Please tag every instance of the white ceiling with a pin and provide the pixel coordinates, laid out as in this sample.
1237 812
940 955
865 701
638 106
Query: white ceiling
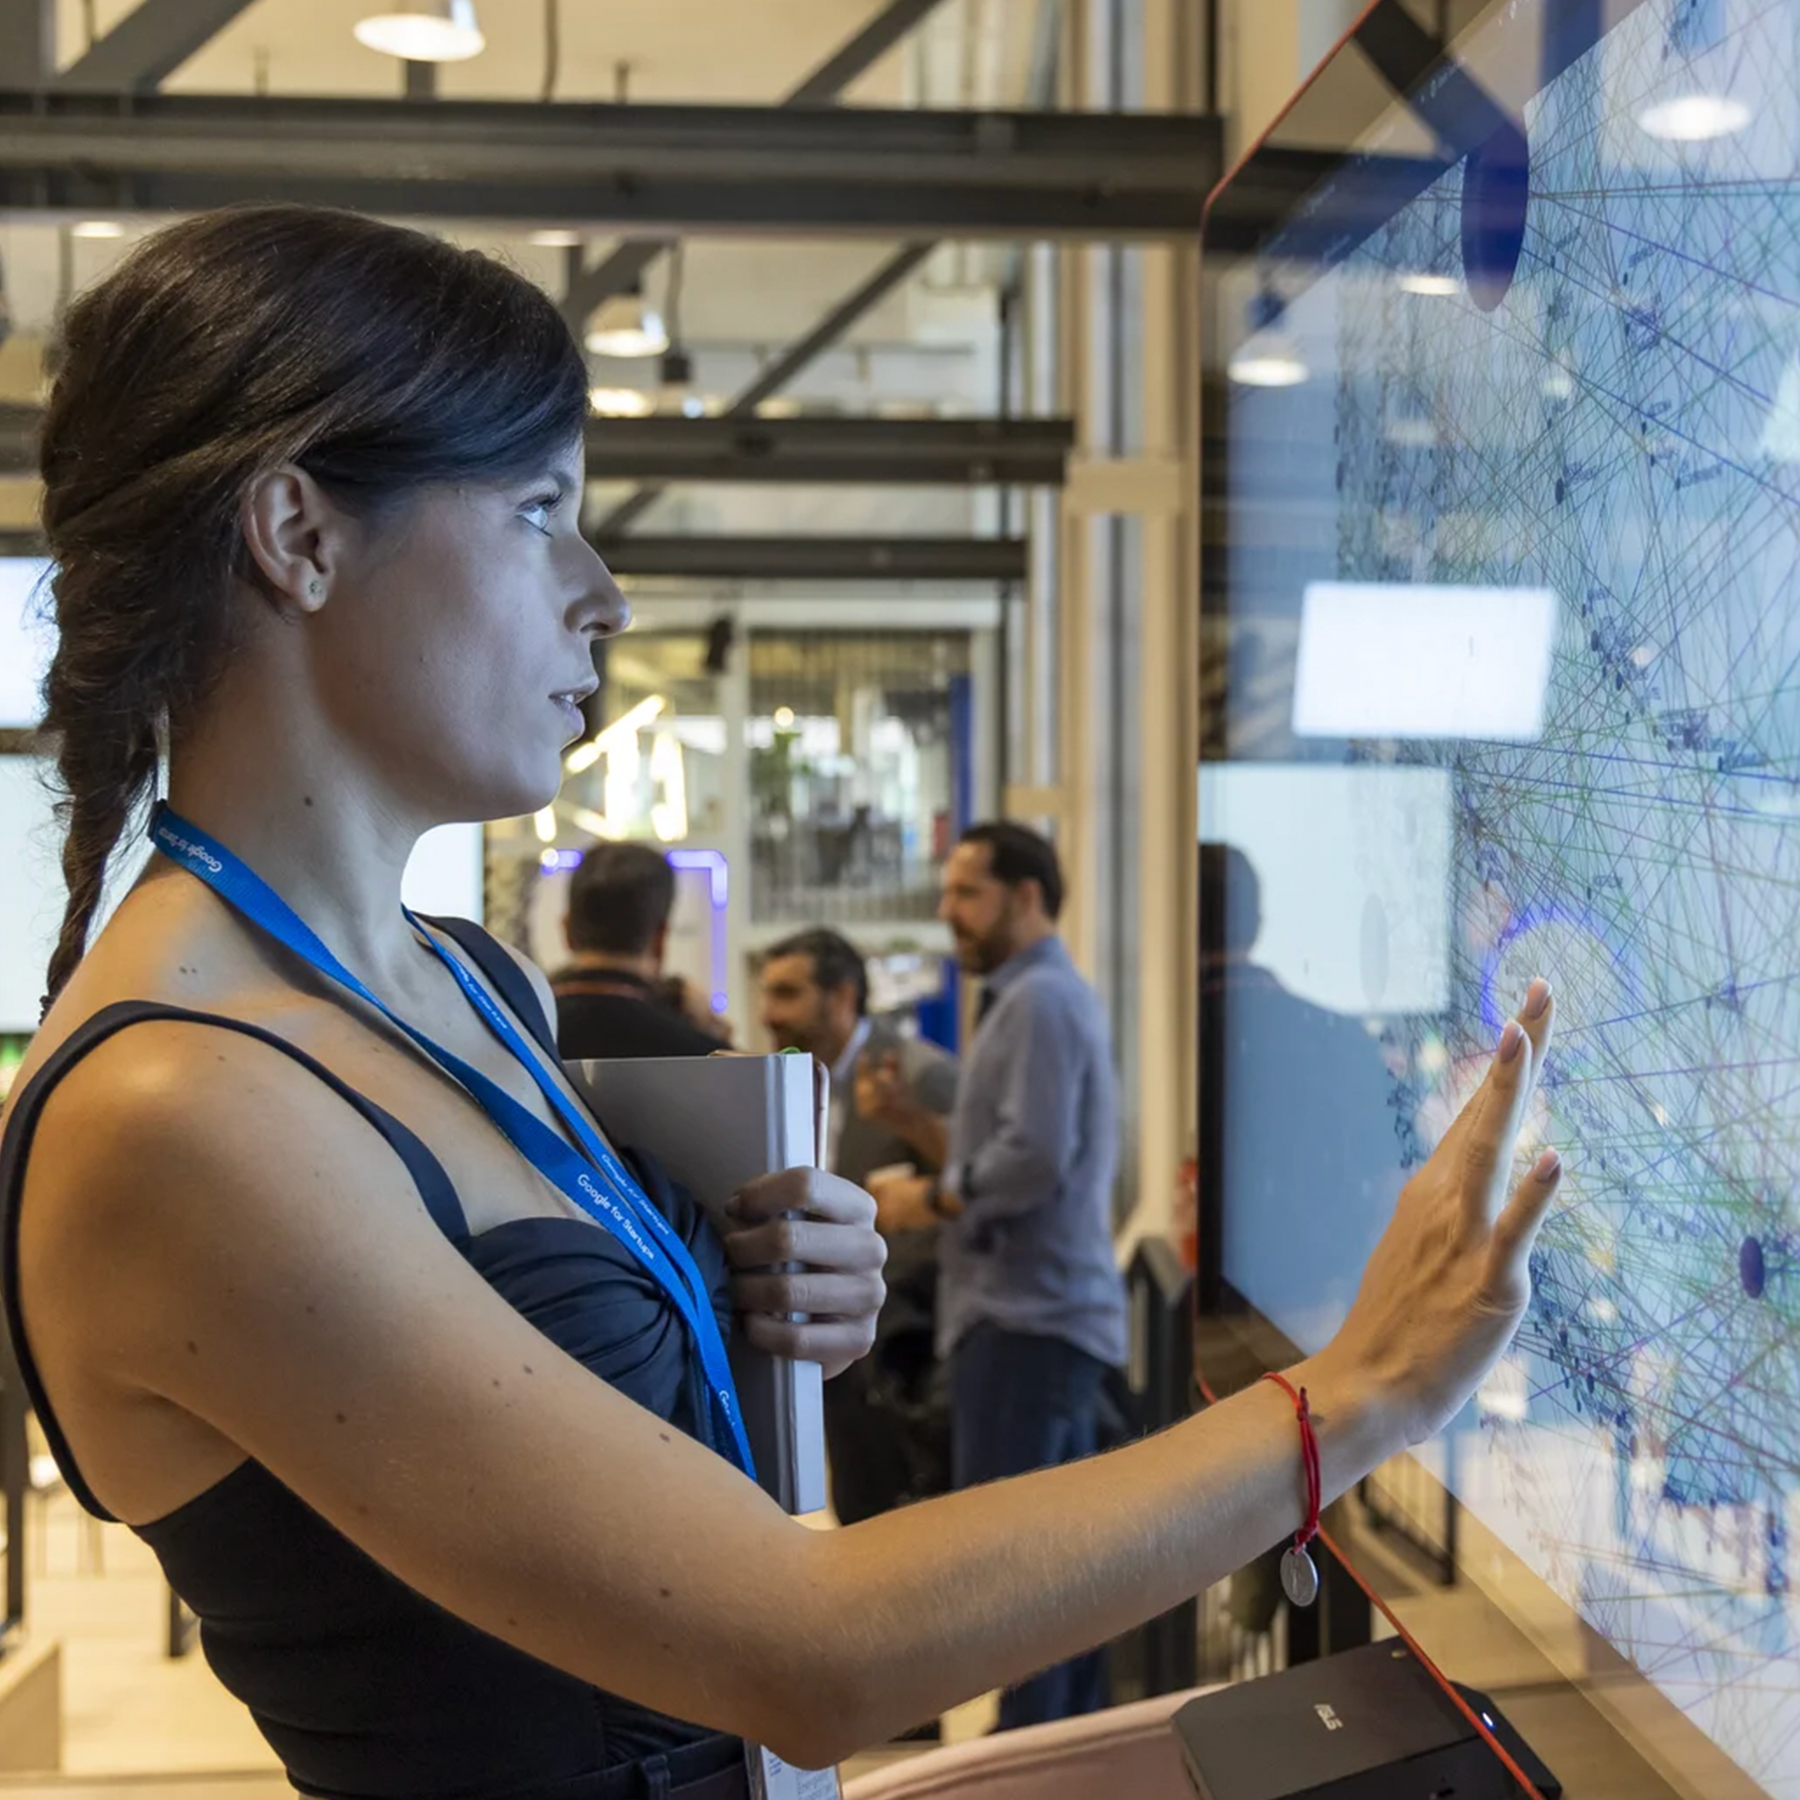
969 52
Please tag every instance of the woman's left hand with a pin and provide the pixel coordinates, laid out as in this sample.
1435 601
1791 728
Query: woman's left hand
838 1282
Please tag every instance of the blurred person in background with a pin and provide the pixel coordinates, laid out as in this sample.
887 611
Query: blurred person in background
1031 1305
612 996
885 1418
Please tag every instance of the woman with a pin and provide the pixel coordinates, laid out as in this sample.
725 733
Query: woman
298 1259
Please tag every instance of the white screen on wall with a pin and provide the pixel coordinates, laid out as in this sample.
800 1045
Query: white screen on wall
443 877
25 640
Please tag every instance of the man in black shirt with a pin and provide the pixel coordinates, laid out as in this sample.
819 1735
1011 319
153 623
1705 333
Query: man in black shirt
611 998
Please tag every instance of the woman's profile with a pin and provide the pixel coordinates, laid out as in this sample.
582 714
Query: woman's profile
321 1277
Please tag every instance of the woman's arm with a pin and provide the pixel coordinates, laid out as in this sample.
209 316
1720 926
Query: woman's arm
204 1230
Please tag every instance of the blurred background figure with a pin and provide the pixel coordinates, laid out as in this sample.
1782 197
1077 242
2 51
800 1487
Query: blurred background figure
1031 1316
886 1418
612 998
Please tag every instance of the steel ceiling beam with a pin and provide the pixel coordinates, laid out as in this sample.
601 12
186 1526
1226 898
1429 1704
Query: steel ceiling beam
19 425
837 170
862 52
797 357
148 45
841 559
869 452
874 452
625 265
930 559
28 40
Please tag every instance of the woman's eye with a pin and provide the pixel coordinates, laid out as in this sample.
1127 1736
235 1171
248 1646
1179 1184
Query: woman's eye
536 513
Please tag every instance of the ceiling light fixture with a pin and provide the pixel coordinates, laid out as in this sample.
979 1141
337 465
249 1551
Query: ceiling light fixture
621 403
1437 287
1267 359
622 325
1694 118
427 31
557 237
98 228
677 380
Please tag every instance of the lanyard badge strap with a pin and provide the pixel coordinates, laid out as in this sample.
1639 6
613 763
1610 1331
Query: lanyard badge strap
603 1189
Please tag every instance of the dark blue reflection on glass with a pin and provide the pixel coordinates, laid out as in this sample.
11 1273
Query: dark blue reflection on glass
1496 193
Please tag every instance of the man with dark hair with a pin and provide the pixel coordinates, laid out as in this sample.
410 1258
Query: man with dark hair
611 999
1031 1305
890 1095
890 1099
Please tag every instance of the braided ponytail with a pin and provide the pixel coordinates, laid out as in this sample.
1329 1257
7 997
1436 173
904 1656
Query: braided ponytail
105 774
379 360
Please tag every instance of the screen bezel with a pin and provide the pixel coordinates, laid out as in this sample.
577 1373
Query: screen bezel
1274 188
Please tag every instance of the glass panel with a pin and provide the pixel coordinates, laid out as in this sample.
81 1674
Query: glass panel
662 774
859 771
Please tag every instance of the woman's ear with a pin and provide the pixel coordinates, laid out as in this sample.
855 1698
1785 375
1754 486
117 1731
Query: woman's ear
289 528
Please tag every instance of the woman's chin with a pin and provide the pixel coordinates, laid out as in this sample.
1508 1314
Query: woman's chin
519 798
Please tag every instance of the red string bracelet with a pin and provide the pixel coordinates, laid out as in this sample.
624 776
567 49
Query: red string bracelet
1299 1576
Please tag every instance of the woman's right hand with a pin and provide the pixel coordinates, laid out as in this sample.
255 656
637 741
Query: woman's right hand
1450 1280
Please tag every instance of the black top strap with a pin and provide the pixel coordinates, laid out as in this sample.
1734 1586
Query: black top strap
514 986
428 1174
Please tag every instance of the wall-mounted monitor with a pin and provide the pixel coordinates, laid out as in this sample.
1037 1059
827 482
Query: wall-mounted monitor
25 639
1502 393
444 876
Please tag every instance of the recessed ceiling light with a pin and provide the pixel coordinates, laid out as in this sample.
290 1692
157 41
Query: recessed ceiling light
98 228
1694 118
557 238
1268 359
1437 287
621 403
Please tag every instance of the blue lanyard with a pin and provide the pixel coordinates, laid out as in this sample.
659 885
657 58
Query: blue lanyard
614 1200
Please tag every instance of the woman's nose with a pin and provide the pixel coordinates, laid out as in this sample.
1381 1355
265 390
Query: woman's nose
608 611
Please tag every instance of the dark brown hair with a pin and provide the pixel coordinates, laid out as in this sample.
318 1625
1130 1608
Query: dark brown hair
377 359
1018 854
620 897
836 962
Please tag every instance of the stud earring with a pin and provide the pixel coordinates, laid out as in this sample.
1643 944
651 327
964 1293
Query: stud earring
315 588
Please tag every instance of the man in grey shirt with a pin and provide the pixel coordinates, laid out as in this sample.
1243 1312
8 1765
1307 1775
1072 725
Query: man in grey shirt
1031 1305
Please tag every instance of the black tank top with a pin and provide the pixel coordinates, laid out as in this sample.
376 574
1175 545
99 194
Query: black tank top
365 1689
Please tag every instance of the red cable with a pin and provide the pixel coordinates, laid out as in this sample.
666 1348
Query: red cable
1406 1637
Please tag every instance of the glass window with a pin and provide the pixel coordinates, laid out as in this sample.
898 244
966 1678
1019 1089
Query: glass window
860 766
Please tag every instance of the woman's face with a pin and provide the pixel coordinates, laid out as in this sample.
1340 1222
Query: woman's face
456 644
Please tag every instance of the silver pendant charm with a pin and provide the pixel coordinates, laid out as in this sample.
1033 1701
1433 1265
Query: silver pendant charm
1299 1578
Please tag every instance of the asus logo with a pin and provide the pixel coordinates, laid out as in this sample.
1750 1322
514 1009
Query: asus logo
1328 1718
